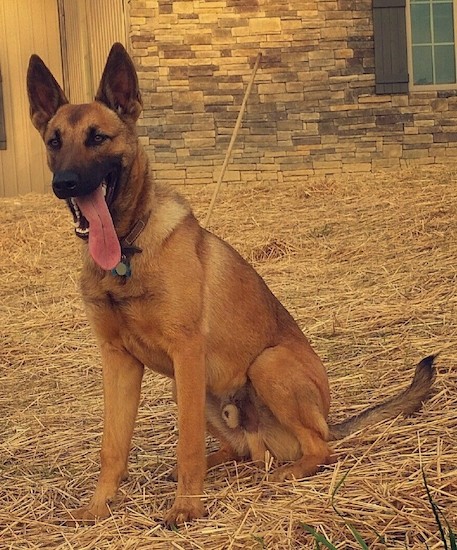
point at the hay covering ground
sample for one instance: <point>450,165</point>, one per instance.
<point>368,267</point>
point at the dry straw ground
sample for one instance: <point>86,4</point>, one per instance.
<point>368,267</point>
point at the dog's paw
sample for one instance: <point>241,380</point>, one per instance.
<point>281,474</point>
<point>86,515</point>
<point>184,509</point>
<point>300,469</point>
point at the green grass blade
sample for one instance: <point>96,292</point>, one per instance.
<point>339,484</point>
<point>353,530</point>
<point>436,511</point>
<point>452,537</point>
<point>357,536</point>
<point>318,537</point>
<point>259,540</point>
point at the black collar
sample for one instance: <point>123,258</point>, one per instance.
<point>128,249</point>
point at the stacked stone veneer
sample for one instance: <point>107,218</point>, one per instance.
<point>312,109</point>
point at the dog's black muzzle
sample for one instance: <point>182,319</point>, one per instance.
<point>77,183</point>
<point>68,184</point>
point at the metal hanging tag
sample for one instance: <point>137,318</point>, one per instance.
<point>123,268</point>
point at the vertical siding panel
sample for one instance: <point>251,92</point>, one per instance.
<point>48,42</point>
<point>22,43</point>
<point>36,167</point>
<point>78,85</point>
<point>90,29</point>
<point>106,24</point>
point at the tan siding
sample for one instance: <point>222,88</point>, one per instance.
<point>26,27</point>
<point>91,27</point>
<point>106,24</point>
<point>79,84</point>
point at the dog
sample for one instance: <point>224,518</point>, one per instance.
<point>164,293</point>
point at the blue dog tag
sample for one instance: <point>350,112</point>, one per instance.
<point>123,268</point>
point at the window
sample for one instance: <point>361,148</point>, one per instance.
<point>415,45</point>
<point>431,43</point>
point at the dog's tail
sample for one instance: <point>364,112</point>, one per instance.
<point>406,402</point>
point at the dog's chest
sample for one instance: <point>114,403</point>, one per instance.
<point>128,306</point>
<point>136,312</point>
<point>137,322</point>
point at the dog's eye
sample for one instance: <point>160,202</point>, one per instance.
<point>95,138</point>
<point>54,143</point>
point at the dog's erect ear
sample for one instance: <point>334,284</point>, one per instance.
<point>119,88</point>
<point>45,94</point>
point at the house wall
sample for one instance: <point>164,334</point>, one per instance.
<point>26,27</point>
<point>312,109</point>
<point>89,29</point>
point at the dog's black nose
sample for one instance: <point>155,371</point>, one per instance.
<point>66,184</point>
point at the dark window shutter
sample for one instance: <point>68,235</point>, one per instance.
<point>2,118</point>
<point>391,62</point>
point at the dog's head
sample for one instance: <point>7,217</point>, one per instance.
<point>90,147</point>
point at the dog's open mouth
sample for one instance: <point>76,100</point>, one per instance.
<point>93,221</point>
<point>81,224</point>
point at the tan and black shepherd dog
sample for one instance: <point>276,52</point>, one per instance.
<point>162,292</point>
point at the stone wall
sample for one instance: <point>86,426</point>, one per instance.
<point>312,109</point>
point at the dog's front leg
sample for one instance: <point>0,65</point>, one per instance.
<point>189,372</point>
<point>122,376</point>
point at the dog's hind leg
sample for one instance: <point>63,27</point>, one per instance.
<point>293,385</point>
<point>233,444</point>
<point>225,453</point>
<point>122,376</point>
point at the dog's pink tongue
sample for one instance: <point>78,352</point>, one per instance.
<point>104,245</point>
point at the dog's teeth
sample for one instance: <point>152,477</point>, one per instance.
<point>76,208</point>
<point>104,189</point>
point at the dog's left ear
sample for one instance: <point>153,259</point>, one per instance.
<point>119,88</point>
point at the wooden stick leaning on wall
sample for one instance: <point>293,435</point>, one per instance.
<point>232,140</point>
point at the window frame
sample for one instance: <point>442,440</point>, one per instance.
<point>3,141</point>
<point>427,87</point>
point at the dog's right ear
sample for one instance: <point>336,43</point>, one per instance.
<point>45,94</point>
